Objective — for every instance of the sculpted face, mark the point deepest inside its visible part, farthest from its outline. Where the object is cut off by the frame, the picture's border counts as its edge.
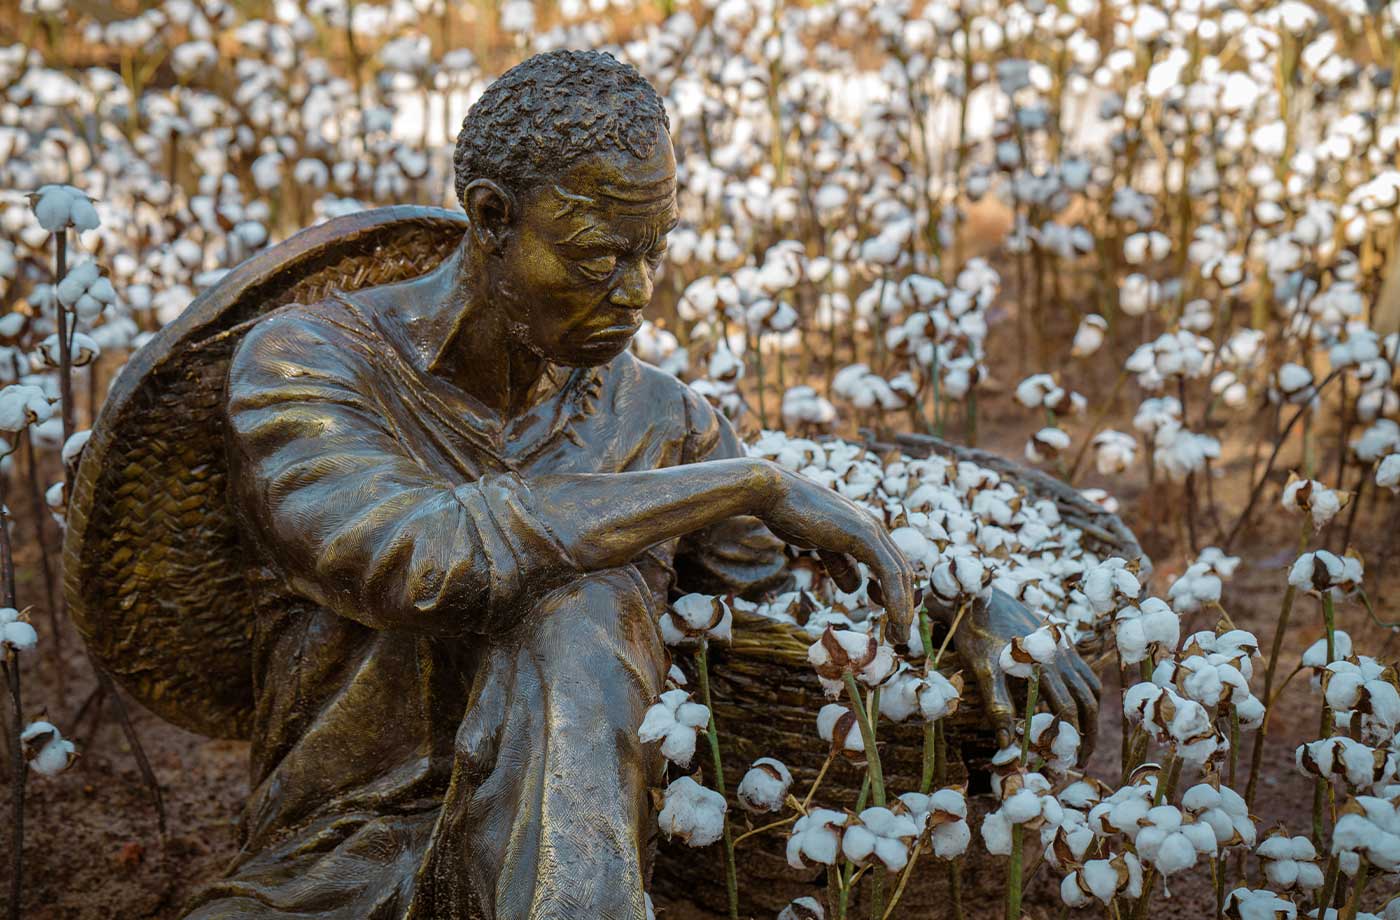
(579, 260)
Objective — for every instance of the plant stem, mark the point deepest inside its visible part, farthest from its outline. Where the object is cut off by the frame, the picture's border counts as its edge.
(867, 734)
(19, 769)
(731, 877)
(1357, 886)
(1013, 875)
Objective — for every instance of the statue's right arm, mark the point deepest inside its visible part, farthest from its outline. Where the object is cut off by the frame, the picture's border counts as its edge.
(362, 527)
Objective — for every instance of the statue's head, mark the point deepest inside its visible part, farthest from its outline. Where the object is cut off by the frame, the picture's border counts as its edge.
(565, 169)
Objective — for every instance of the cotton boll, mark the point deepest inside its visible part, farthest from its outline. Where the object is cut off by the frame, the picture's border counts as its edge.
(674, 721)
(1047, 445)
(839, 727)
(765, 786)
(1312, 497)
(939, 696)
(1224, 811)
(1140, 630)
(46, 750)
(1103, 879)
(1258, 905)
(1089, 336)
(696, 616)
(15, 632)
(22, 405)
(816, 838)
(1388, 473)
(1290, 862)
(692, 813)
(61, 206)
(1324, 572)
(880, 834)
(1110, 584)
(803, 909)
(996, 833)
(1038, 647)
(73, 447)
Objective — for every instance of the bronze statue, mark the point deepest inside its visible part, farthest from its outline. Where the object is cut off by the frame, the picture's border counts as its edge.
(421, 563)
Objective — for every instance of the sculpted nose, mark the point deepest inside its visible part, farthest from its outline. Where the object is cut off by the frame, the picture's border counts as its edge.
(634, 288)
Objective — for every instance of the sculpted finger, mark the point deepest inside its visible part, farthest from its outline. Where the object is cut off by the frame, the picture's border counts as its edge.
(1000, 711)
(1054, 691)
(842, 569)
(897, 591)
(1087, 676)
(1087, 701)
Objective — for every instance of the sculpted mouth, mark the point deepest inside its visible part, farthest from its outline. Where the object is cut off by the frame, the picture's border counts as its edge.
(628, 327)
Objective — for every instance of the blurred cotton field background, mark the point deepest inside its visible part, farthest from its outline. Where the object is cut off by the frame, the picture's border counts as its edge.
(1148, 249)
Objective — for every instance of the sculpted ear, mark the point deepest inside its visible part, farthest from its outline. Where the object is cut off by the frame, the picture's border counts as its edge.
(491, 210)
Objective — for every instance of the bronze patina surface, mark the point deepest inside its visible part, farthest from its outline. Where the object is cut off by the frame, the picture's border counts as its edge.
(424, 572)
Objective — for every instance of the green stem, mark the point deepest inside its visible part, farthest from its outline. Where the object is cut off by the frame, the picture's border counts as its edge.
(1013, 874)
(931, 729)
(731, 876)
(867, 734)
(1354, 902)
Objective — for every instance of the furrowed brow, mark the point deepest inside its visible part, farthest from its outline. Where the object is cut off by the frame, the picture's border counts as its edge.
(569, 202)
(592, 233)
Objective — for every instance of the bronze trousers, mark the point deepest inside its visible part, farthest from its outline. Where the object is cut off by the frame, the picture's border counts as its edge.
(547, 816)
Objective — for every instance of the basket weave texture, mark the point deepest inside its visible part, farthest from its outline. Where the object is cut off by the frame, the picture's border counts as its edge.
(153, 567)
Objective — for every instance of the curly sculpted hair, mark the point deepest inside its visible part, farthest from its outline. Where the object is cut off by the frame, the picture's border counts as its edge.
(548, 112)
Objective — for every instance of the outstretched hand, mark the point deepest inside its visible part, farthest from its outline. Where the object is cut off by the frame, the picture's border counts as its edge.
(1067, 684)
(811, 516)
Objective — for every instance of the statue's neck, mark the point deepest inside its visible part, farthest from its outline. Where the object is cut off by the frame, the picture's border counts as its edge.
(476, 349)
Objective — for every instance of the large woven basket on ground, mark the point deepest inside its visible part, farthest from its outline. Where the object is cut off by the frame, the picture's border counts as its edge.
(153, 564)
(767, 697)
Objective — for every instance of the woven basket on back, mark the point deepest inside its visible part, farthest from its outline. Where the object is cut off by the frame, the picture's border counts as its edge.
(153, 568)
(767, 697)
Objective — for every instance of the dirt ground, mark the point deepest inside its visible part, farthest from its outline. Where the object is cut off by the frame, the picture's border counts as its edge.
(93, 850)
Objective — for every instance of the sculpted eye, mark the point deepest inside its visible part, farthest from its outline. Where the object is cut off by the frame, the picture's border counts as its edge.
(598, 266)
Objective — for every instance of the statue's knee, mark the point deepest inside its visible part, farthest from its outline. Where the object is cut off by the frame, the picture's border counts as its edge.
(609, 590)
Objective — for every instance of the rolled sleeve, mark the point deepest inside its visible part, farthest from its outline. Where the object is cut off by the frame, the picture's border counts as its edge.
(355, 521)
